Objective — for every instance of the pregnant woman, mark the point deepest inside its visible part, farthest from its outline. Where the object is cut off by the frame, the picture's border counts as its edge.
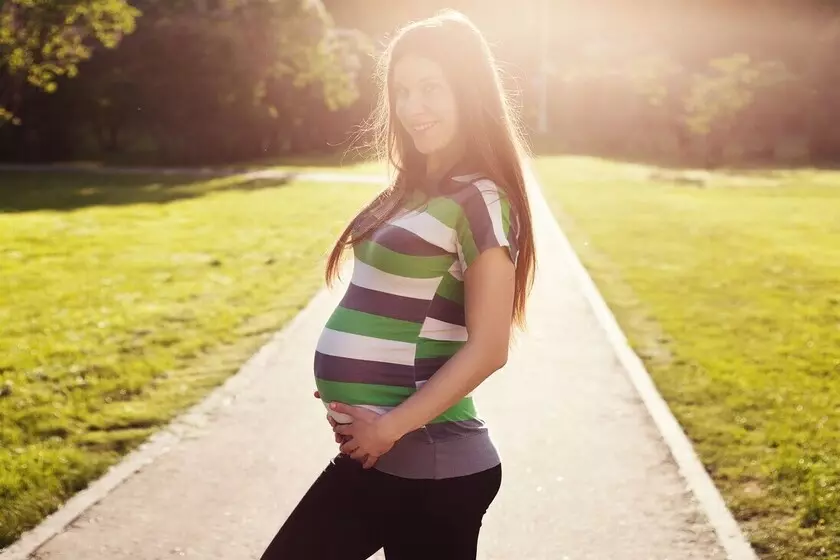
(443, 262)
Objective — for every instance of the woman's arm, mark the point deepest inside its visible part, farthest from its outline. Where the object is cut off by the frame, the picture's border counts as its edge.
(489, 289)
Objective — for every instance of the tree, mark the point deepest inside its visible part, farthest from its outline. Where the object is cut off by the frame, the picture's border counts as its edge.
(41, 40)
(202, 82)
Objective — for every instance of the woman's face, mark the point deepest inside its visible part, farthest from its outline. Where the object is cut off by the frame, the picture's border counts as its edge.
(425, 104)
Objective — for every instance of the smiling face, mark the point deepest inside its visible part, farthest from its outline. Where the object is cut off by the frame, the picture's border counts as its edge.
(425, 105)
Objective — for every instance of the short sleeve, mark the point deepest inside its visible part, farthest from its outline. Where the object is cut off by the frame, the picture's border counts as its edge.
(486, 221)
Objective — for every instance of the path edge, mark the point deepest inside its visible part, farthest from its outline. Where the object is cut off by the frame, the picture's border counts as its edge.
(727, 529)
(159, 443)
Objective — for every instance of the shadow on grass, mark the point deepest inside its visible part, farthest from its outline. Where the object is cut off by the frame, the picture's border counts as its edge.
(337, 159)
(28, 191)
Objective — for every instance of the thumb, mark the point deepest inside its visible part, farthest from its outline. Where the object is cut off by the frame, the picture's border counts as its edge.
(347, 409)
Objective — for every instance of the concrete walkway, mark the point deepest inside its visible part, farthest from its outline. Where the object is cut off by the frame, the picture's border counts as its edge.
(587, 473)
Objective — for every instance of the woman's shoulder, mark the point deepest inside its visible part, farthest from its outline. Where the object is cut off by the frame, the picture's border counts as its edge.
(476, 186)
(480, 195)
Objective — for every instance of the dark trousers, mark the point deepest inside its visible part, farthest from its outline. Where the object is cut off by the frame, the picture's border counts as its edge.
(349, 513)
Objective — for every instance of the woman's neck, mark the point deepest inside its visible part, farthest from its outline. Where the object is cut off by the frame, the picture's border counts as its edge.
(440, 162)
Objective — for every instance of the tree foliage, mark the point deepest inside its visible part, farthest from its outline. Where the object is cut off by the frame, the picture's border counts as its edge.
(41, 40)
(220, 80)
(201, 81)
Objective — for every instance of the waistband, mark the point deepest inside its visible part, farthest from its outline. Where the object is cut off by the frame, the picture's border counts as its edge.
(417, 456)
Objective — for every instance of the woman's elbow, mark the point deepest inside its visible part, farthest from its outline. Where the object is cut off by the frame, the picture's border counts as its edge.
(501, 360)
(494, 355)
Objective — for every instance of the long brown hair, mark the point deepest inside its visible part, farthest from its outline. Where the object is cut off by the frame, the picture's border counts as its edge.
(493, 137)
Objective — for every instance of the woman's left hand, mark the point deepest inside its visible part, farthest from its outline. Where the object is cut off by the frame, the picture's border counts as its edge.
(367, 438)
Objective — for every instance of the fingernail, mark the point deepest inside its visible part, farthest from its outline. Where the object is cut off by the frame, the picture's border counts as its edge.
(332, 406)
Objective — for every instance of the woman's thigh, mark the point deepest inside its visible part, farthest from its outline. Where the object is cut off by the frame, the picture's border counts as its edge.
(337, 519)
(441, 519)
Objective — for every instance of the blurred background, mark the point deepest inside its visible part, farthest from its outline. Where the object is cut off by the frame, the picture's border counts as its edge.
(220, 81)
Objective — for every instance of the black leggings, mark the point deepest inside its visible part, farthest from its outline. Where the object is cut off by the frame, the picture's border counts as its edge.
(349, 513)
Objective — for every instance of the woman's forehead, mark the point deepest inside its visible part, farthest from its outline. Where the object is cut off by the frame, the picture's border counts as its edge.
(413, 69)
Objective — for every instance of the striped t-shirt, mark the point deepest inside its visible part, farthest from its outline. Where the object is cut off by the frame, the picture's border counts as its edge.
(402, 318)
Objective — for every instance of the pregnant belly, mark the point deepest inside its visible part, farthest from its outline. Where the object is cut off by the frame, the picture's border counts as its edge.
(347, 372)
(375, 397)
(356, 395)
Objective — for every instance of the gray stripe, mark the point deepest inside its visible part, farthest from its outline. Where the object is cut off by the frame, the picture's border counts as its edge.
(393, 306)
(446, 431)
(351, 370)
(478, 216)
(425, 368)
(415, 457)
(447, 310)
(401, 240)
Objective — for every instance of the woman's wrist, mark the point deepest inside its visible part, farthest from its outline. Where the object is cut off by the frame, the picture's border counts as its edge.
(389, 426)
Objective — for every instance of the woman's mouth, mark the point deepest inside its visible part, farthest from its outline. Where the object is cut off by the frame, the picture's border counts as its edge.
(423, 127)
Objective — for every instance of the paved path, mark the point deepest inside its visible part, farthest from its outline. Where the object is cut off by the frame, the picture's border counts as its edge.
(587, 475)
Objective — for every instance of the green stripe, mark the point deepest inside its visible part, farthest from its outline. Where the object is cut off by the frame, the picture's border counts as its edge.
(409, 266)
(376, 326)
(437, 348)
(444, 210)
(506, 216)
(451, 288)
(362, 393)
(468, 246)
(464, 410)
(384, 395)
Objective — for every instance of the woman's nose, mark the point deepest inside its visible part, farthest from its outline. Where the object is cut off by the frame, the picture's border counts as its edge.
(415, 105)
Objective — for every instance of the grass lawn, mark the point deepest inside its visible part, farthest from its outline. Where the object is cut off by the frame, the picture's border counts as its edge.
(344, 163)
(731, 295)
(124, 299)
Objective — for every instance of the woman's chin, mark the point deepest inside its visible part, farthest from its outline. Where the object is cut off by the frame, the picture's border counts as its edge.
(427, 148)
(424, 148)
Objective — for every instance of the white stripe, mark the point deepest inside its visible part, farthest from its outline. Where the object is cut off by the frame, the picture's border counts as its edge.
(427, 227)
(492, 198)
(377, 409)
(461, 260)
(358, 347)
(455, 270)
(366, 276)
(466, 178)
(434, 329)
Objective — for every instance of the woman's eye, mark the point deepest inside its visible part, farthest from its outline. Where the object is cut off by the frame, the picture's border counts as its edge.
(430, 88)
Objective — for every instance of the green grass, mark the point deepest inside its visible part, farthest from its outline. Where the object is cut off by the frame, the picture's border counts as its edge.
(339, 162)
(731, 295)
(125, 299)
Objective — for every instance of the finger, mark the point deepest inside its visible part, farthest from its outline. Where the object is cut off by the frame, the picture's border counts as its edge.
(351, 411)
(349, 446)
(344, 429)
(370, 460)
(338, 438)
(332, 421)
(358, 454)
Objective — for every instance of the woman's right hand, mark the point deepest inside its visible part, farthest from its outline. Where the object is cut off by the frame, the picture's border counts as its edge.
(339, 439)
